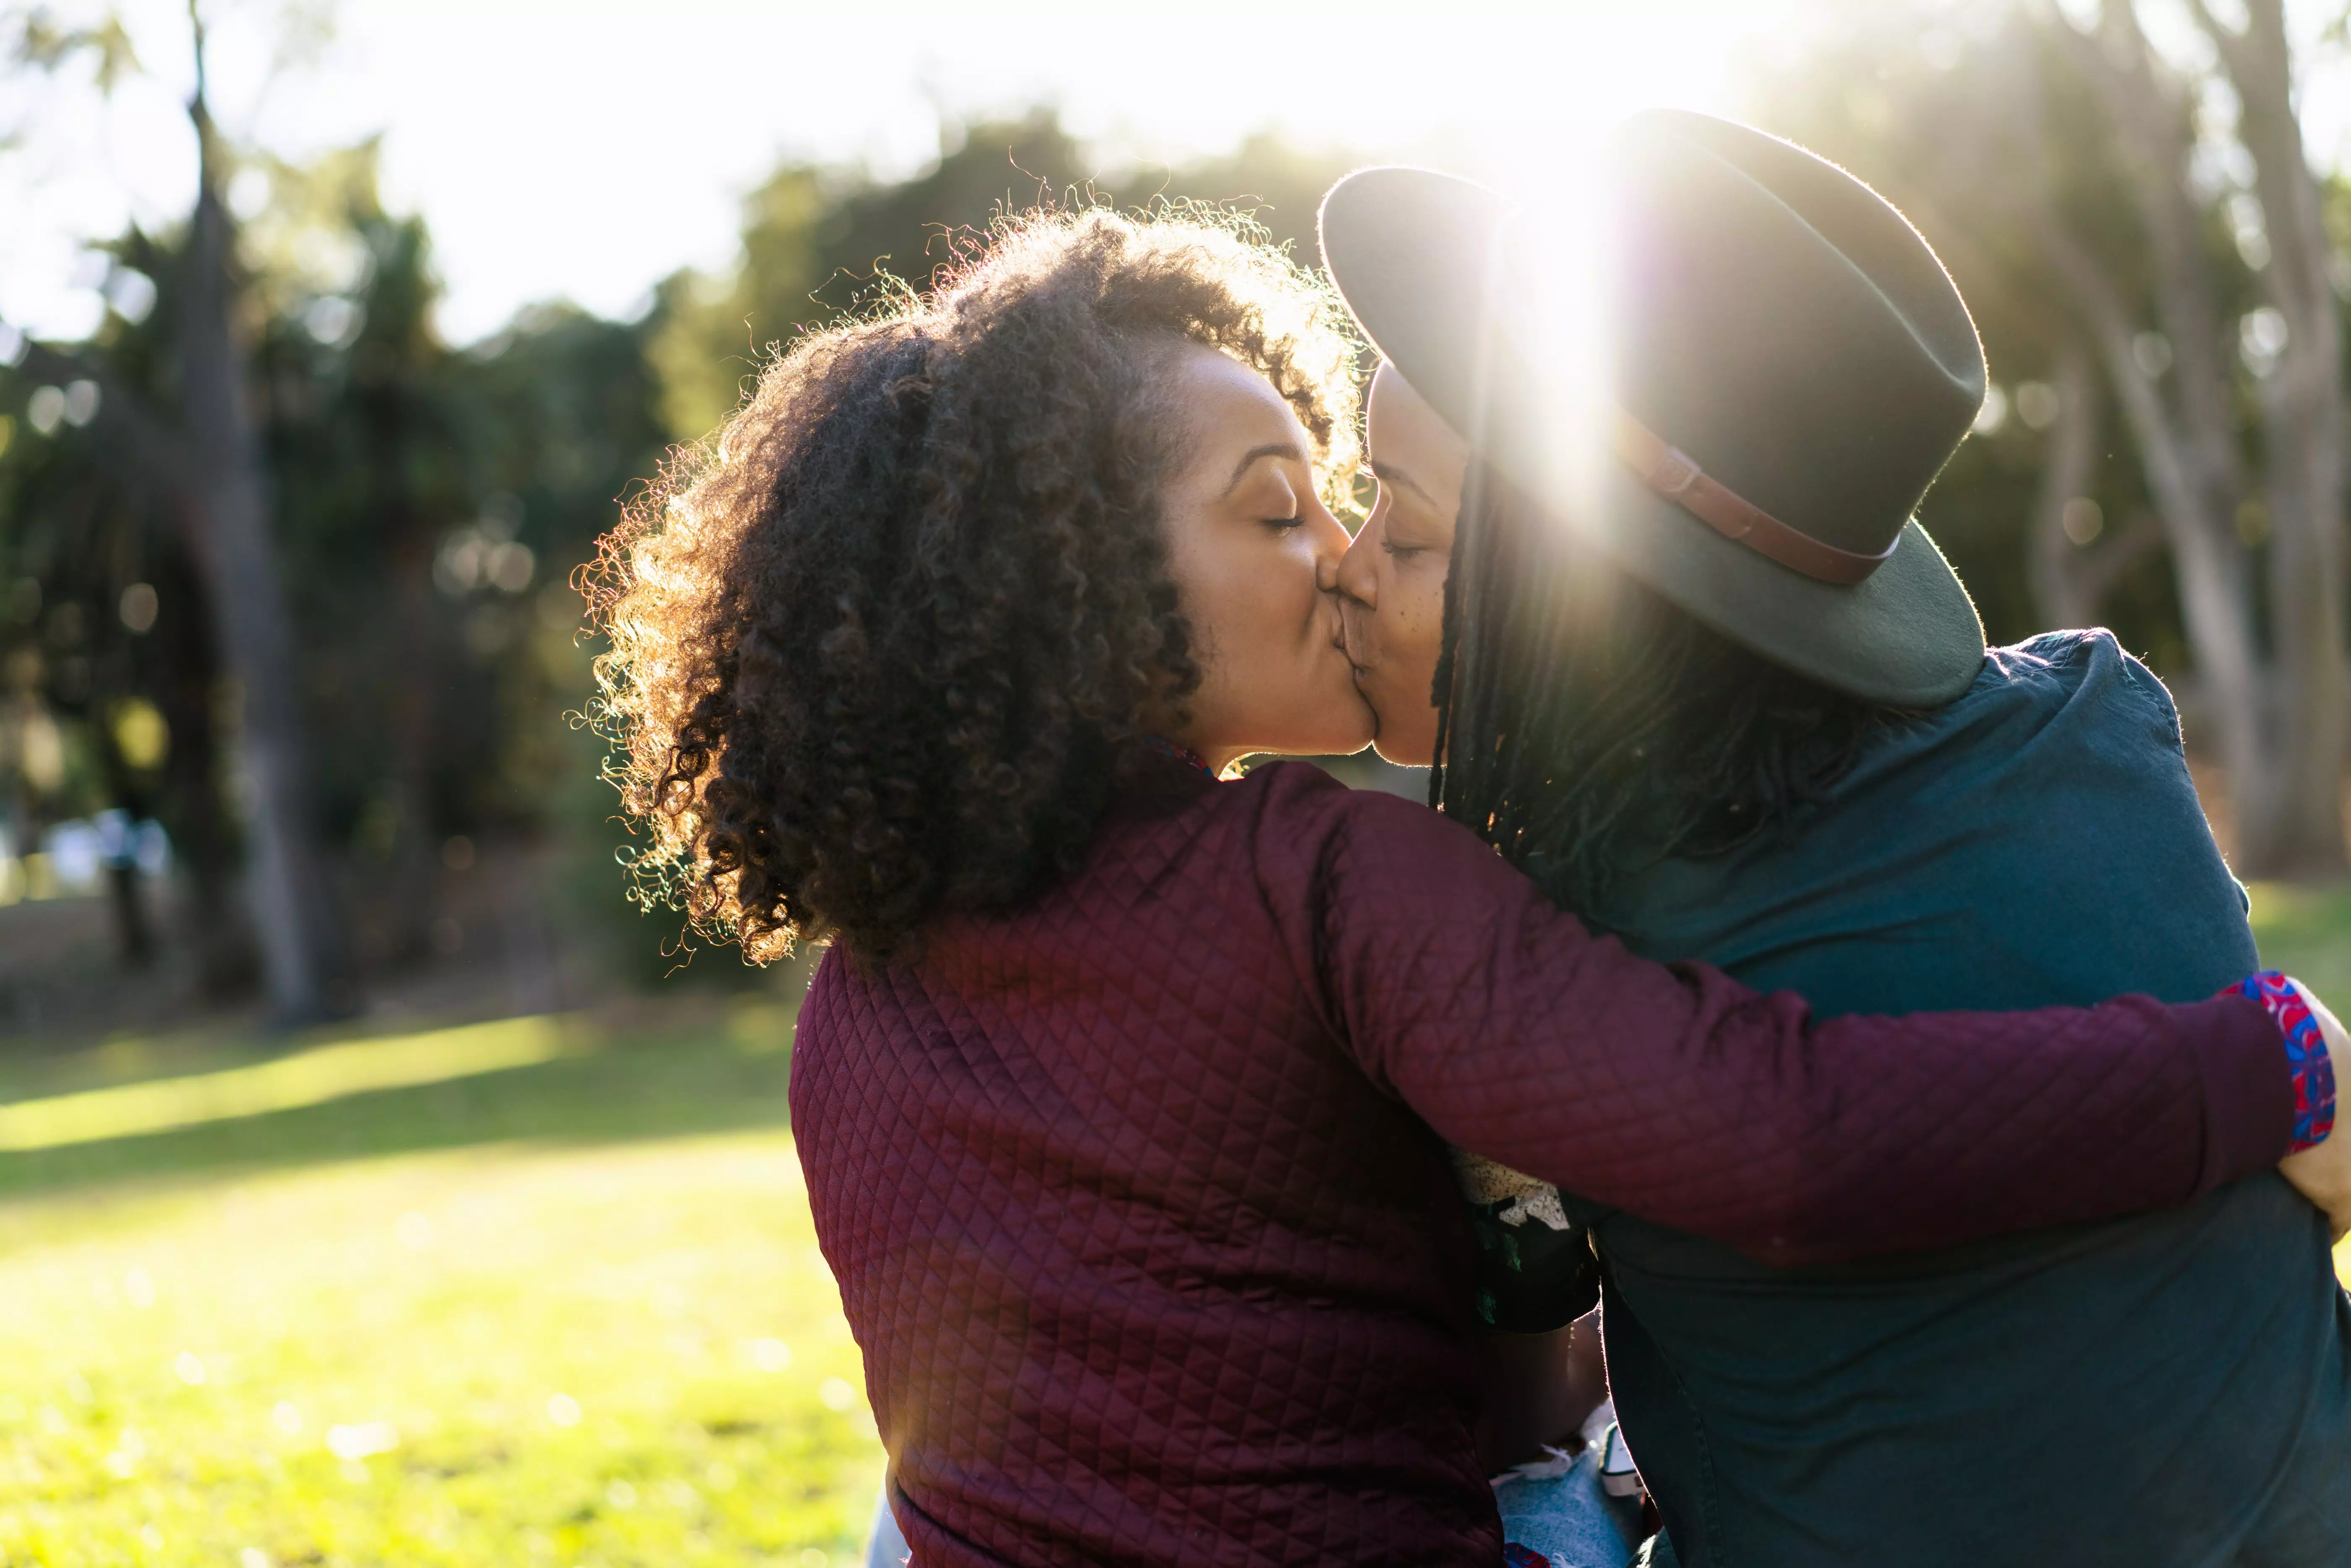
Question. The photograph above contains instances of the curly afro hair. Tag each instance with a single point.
(875, 649)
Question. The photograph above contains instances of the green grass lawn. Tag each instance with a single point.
(566, 1311)
(2307, 933)
(542, 1292)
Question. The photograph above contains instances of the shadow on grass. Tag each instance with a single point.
(621, 1091)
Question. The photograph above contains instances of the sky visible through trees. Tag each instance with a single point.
(421, 494)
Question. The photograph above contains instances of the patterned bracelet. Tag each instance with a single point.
(2308, 1062)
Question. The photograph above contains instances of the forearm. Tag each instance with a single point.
(1862, 1135)
(1955, 1126)
(1679, 1095)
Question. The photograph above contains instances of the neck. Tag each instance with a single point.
(1212, 765)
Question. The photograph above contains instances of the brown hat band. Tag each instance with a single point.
(1669, 470)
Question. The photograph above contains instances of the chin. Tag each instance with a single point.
(1348, 739)
(1330, 741)
(1405, 745)
(1404, 756)
(1339, 723)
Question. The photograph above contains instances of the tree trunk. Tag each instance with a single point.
(2282, 721)
(203, 852)
(2067, 471)
(2298, 827)
(2176, 455)
(304, 949)
(2070, 579)
(415, 854)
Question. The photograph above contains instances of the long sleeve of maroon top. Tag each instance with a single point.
(1154, 1259)
(1678, 1094)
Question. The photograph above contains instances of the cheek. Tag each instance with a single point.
(1417, 630)
(1256, 613)
(1286, 604)
(1302, 555)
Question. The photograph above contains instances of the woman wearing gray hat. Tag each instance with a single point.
(1682, 652)
(1122, 1095)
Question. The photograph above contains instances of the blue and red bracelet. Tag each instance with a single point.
(2308, 1062)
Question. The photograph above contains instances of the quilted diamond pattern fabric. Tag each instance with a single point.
(1140, 1208)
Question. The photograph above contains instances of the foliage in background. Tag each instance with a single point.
(2152, 260)
(186, 445)
(428, 507)
(426, 504)
(817, 241)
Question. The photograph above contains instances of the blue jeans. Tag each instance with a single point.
(1558, 1512)
(886, 1545)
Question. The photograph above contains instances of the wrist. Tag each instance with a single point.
(2310, 1066)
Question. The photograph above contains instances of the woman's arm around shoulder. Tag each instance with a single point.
(1676, 1094)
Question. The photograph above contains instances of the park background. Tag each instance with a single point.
(376, 1184)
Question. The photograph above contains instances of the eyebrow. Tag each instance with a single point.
(1290, 449)
(1388, 474)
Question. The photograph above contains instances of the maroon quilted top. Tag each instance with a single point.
(1139, 1202)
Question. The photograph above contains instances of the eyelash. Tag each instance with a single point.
(1285, 523)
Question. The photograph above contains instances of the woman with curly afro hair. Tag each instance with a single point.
(1123, 1092)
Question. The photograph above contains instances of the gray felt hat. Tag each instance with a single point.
(1787, 369)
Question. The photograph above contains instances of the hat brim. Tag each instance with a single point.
(1411, 254)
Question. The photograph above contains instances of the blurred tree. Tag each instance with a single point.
(424, 507)
(820, 241)
(2144, 240)
(564, 411)
(434, 501)
(423, 504)
(369, 451)
(106, 640)
(207, 455)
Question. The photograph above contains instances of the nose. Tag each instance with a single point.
(1356, 577)
(1326, 571)
(1330, 545)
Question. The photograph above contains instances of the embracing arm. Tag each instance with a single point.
(1681, 1096)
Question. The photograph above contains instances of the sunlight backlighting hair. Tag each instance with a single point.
(1584, 720)
(875, 648)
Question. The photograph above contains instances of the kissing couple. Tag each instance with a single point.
(1215, 1167)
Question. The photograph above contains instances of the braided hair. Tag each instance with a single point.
(1586, 722)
